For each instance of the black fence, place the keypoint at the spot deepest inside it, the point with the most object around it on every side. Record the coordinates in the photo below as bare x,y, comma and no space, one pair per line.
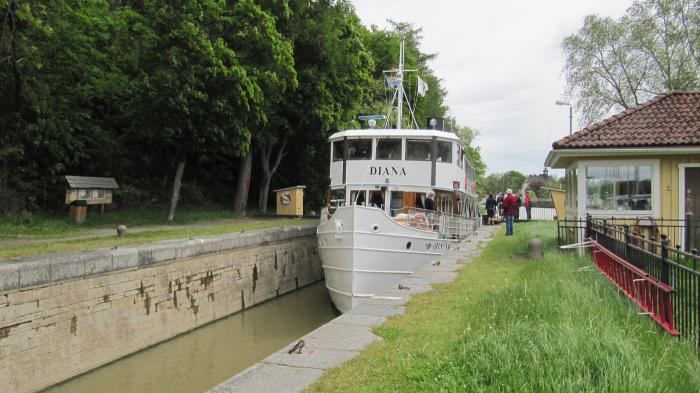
650,248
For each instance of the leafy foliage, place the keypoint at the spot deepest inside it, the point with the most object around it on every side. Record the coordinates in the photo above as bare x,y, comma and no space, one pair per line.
136,89
612,65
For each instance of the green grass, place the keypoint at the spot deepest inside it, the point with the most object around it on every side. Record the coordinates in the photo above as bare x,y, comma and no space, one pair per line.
144,237
507,324
46,226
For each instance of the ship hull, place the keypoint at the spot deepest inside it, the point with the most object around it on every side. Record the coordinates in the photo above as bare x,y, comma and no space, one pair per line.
364,250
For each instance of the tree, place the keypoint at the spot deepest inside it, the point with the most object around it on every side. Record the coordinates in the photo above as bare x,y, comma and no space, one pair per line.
498,182
333,69
613,65
268,58
192,93
54,74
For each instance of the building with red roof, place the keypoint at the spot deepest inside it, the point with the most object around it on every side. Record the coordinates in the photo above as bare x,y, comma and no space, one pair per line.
642,162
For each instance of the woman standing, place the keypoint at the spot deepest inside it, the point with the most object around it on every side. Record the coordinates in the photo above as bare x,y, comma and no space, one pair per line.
491,205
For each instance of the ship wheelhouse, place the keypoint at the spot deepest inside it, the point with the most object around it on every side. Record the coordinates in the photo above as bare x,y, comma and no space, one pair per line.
394,169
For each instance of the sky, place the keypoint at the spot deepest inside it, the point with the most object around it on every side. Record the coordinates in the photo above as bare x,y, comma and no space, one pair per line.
501,63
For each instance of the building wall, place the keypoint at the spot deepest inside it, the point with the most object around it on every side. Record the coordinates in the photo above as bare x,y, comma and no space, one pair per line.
669,184
66,325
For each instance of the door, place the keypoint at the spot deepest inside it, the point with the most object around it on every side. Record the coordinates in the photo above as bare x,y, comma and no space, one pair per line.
692,207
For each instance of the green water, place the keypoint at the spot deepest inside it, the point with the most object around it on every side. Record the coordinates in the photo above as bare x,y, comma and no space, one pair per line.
198,360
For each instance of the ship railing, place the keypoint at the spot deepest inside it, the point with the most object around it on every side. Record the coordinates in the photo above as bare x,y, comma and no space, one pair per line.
448,226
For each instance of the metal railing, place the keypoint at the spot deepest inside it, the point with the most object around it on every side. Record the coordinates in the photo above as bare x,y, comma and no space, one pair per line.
651,295
448,226
649,250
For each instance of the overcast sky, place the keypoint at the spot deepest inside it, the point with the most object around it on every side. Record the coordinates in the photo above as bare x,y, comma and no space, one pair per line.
501,63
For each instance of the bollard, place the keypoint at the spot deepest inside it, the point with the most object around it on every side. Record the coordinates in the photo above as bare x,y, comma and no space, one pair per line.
534,248
121,230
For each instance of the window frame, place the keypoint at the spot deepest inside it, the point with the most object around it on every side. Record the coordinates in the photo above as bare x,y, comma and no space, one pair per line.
401,148
341,143
582,196
451,150
371,148
430,143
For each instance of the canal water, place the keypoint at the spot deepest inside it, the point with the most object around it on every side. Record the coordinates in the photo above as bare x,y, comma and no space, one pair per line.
196,361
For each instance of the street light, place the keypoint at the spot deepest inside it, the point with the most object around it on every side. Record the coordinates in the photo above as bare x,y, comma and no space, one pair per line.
571,114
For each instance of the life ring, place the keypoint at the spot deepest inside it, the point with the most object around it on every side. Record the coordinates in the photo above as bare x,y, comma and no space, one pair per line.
420,221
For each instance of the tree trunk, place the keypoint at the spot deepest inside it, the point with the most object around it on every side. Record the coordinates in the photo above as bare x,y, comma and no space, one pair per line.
240,201
264,190
177,184
265,154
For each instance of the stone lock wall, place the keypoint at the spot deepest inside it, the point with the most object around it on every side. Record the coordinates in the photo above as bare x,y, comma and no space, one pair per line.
64,315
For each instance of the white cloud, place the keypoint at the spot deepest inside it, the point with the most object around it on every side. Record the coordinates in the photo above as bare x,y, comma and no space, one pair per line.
501,63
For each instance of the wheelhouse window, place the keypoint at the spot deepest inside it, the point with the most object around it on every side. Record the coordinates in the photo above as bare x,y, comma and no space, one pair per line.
388,149
444,151
619,188
418,149
359,149
338,150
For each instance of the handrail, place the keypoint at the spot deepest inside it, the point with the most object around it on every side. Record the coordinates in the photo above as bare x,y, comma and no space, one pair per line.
650,294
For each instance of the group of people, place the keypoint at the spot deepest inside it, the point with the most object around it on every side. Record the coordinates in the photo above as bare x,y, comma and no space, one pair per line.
508,206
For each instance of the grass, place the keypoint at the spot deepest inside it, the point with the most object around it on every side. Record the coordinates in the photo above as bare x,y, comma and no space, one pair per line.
21,251
507,324
46,226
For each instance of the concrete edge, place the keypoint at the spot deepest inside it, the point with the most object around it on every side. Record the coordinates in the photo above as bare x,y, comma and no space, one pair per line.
344,337
48,269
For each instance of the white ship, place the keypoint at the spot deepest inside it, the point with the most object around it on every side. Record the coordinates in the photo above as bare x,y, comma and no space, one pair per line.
376,229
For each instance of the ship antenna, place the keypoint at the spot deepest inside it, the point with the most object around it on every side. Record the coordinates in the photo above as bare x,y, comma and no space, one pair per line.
399,76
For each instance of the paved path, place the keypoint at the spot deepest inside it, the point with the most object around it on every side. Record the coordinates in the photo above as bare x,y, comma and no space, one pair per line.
346,336
110,232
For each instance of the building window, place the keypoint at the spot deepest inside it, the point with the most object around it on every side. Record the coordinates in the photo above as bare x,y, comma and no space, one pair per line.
418,149
444,153
359,149
338,150
619,188
388,149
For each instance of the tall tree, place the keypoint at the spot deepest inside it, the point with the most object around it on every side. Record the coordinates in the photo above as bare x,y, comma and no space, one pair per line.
613,65
334,73
192,94
54,68
267,57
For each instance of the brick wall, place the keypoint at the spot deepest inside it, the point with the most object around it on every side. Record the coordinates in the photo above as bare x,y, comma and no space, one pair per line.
64,315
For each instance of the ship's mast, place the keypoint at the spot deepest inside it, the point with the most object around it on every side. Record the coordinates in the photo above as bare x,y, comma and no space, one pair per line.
399,76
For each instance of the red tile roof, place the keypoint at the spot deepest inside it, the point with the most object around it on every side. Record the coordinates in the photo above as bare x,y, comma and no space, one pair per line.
669,119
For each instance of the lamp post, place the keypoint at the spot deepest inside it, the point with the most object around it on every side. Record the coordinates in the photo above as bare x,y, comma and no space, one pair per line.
571,114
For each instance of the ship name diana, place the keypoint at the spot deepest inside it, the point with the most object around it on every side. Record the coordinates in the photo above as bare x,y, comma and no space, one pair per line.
387,171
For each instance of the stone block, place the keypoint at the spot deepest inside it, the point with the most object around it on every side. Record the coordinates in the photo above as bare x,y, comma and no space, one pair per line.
263,377
67,268
160,252
311,357
98,262
34,272
125,258
206,246
9,276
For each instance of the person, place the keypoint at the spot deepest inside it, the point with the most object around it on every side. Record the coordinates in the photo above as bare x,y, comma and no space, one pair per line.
377,200
491,205
429,201
360,198
528,205
510,206
520,203
499,201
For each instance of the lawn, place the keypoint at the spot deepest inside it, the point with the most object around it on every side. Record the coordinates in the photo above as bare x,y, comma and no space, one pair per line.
507,324
45,225
55,246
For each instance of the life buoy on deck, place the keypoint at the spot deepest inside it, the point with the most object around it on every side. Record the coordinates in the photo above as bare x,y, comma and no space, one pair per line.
420,221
